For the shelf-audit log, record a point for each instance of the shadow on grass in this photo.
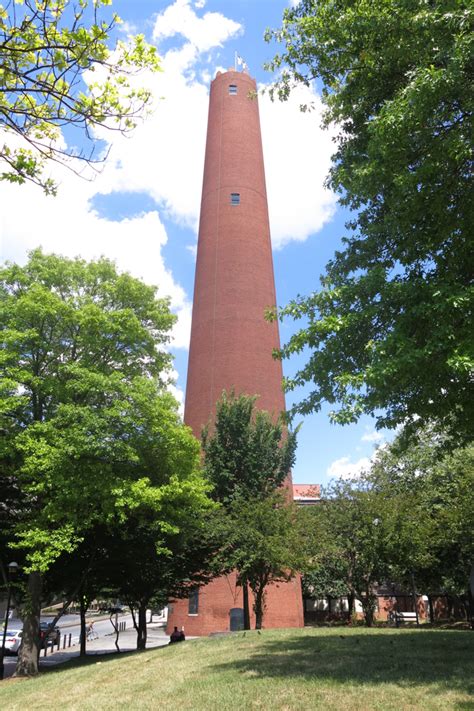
(406, 658)
(94, 658)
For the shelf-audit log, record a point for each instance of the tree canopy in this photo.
(248, 457)
(264, 543)
(409, 518)
(245, 451)
(90, 435)
(355, 525)
(46, 46)
(433, 528)
(390, 328)
(143, 562)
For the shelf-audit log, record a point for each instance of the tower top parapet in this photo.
(234, 73)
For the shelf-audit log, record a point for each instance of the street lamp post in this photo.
(12, 569)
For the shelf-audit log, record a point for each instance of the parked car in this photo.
(13, 640)
(49, 635)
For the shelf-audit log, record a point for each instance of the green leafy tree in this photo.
(247, 457)
(436, 513)
(146, 564)
(77, 577)
(354, 522)
(326, 570)
(450, 500)
(92, 433)
(246, 452)
(327, 577)
(264, 544)
(390, 329)
(410, 516)
(45, 48)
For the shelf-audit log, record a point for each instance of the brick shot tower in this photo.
(231, 343)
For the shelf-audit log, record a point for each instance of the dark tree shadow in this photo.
(94, 657)
(407, 658)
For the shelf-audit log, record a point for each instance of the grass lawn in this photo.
(329, 668)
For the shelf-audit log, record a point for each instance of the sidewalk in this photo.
(156, 637)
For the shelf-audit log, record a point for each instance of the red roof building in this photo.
(306, 494)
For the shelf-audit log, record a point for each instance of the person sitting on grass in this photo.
(177, 636)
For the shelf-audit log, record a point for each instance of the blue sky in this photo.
(143, 209)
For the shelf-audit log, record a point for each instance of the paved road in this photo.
(103, 645)
(69, 624)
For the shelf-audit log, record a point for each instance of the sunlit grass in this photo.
(279, 669)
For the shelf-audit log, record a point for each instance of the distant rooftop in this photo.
(306, 493)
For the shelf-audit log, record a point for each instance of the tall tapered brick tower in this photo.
(231, 343)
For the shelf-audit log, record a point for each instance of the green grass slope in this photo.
(278, 669)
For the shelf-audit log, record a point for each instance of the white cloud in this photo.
(297, 156)
(164, 159)
(127, 28)
(165, 156)
(297, 151)
(343, 468)
(67, 225)
(204, 33)
(177, 392)
(372, 436)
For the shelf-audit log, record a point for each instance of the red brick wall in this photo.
(284, 607)
(231, 343)
(385, 605)
(400, 603)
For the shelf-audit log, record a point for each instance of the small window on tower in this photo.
(232, 89)
(235, 198)
(193, 603)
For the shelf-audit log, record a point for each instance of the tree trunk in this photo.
(245, 596)
(141, 633)
(368, 615)
(258, 606)
(27, 664)
(82, 615)
(431, 609)
(470, 605)
(449, 602)
(114, 624)
(134, 617)
(350, 606)
(368, 602)
(258, 614)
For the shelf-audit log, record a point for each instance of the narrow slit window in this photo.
(193, 603)
(233, 89)
(235, 198)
